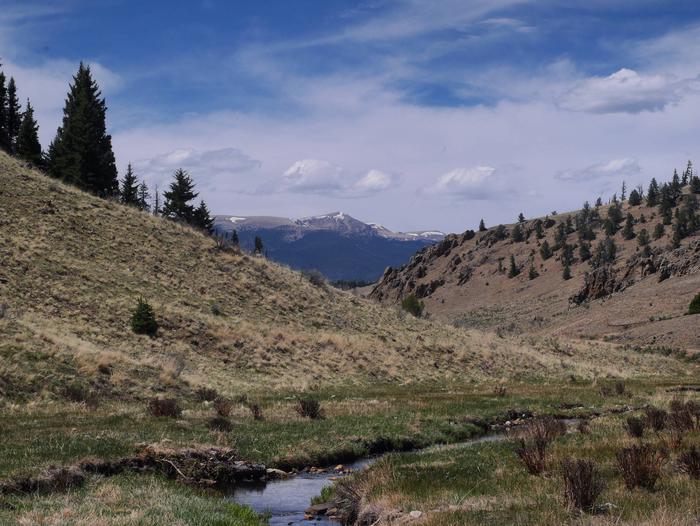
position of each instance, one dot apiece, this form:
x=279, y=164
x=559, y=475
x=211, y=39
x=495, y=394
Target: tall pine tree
x=202, y=219
x=177, y=200
x=143, y=197
x=4, y=137
x=14, y=115
x=129, y=191
x=28, y=146
x=81, y=153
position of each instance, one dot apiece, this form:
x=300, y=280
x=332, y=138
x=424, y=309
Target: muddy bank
x=198, y=466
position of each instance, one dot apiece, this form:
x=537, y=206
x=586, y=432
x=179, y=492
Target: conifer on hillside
x=513, y=269
x=258, y=245
x=566, y=272
x=4, y=137
x=14, y=115
x=27, y=145
x=653, y=193
x=516, y=234
x=545, y=250
x=659, y=231
x=129, y=191
x=635, y=198
x=202, y=219
x=482, y=226
x=177, y=199
x=143, y=197
x=81, y=152
x=628, y=230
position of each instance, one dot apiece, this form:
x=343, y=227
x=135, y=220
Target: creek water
x=285, y=500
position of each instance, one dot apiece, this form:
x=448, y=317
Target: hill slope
x=640, y=299
x=72, y=267
x=338, y=245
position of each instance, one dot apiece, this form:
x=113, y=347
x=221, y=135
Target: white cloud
x=478, y=182
x=625, y=91
x=209, y=168
x=615, y=169
x=314, y=176
x=374, y=181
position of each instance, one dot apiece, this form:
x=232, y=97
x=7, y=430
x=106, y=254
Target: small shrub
x=582, y=484
x=620, y=388
x=640, y=466
x=533, y=454
x=656, y=418
x=315, y=278
x=694, y=307
x=256, y=411
x=216, y=309
x=500, y=391
x=223, y=407
x=79, y=393
x=535, y=438
x=309, y=408
x=3, y=310
x=689, y=463
x=164, y=407
x=635, y=426
x=143, y=319
x=219, y=423
x=206, y=394
x=413, y=305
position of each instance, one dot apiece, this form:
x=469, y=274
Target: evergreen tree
x=501, y=232
x=14, y=115
x=677, y=235
x=628, y=230
x=560, y=236
x=667, y=201
x=143, y=197
x=201, y=218
x=598, y=202
x=234, y=238
x=143, y=319
x=513, y=270
x=615, y=213
x=635, y=199
x=258, y=245
x=659, y=231
x=129, y=191
x=532, y=273
x=687, y=174
x=695, y=184
x=539, y=231
x=604, y=253
x=566, y=273
x=4, y=137
x=675, y=185
x=516, y=234
x=81, y=153
x=643, y=238
x=545, y=250
x=28, y=146
x=521, y=218
x=653, y=193
x=177, y=199
x=609, y=227
x=584, y=251
x=482, y=226
x=567, y=254
x=623, y=194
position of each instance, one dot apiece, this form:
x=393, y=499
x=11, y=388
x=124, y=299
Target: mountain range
x=336, y=244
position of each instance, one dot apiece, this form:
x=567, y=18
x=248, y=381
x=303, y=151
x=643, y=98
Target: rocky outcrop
x=600, y=283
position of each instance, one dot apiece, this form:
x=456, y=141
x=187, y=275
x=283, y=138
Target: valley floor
x=480, y=484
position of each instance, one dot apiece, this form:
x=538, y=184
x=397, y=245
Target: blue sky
x=411, y=114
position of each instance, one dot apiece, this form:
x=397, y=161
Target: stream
x=285, y=500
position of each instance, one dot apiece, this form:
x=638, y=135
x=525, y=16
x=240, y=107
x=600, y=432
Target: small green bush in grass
x=143, y=320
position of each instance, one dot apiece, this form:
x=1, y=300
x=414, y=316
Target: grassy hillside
x=465, y=281
x=73, y=266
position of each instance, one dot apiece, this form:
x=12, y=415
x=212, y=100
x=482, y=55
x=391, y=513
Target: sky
x=417, y=115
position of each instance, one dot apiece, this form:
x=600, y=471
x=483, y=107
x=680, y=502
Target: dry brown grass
x=70, y=279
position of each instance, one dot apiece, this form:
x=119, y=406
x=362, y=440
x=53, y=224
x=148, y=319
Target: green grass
x=357, y=424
